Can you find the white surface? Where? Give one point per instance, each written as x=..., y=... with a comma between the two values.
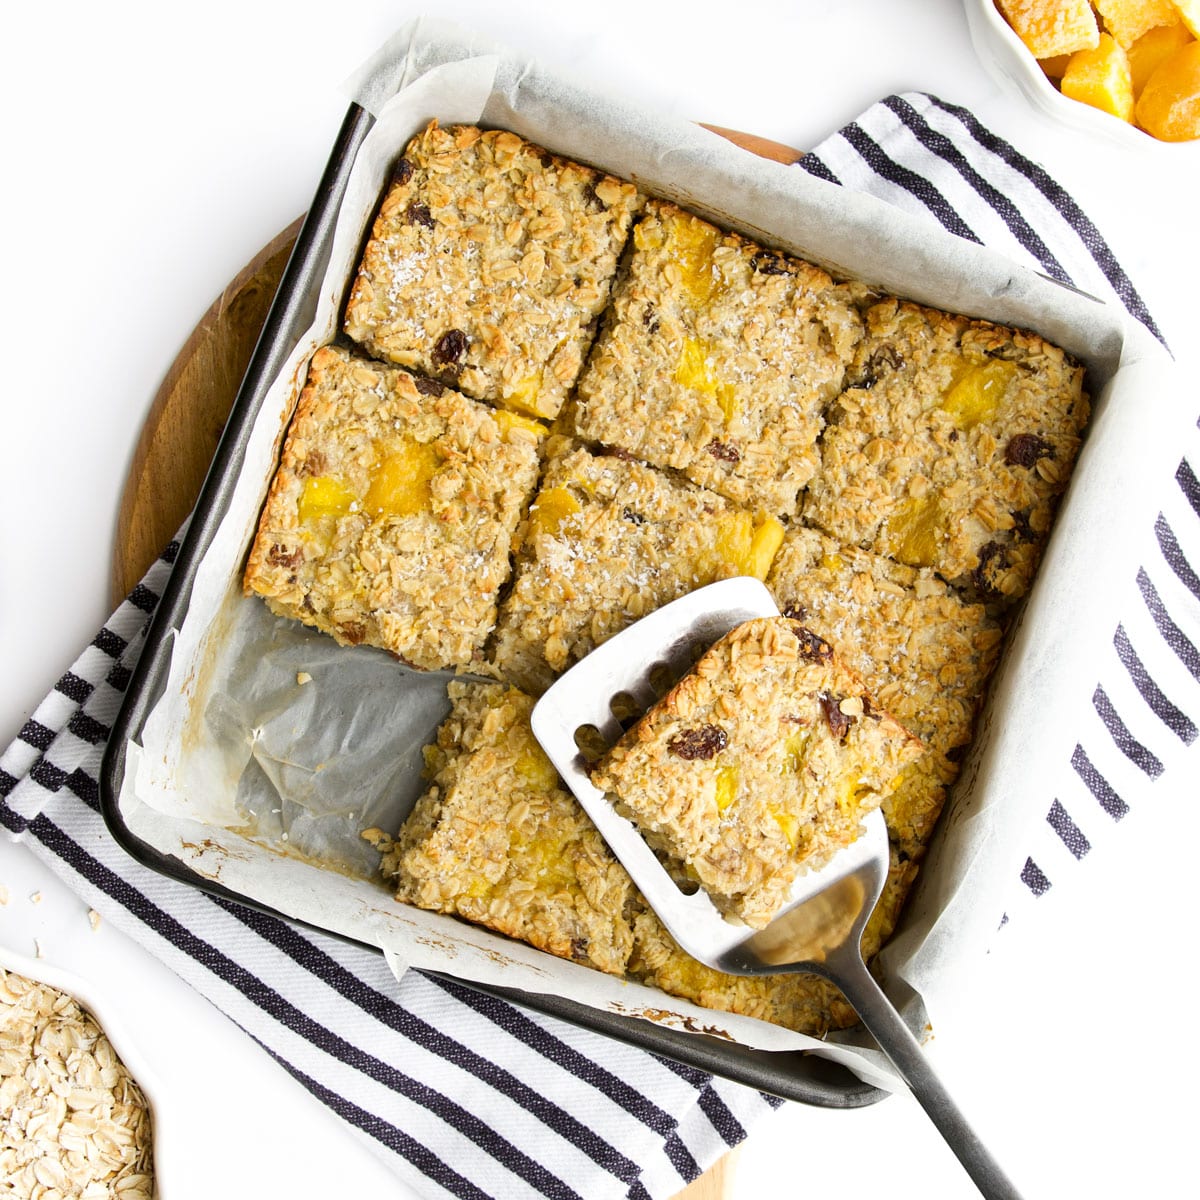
x=152, y=150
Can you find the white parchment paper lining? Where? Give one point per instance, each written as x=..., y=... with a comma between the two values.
x=263, y=783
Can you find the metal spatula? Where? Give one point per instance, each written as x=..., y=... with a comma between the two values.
x=819, y=929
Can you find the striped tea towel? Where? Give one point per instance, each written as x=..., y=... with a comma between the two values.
x=468, y=1096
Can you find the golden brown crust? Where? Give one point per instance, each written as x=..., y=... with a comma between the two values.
x=488, y=263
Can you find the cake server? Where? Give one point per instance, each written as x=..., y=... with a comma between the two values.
x=819, y=929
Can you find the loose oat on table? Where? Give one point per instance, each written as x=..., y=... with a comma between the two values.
x=75, y=1124
x=759, y=765
x=390, y=519
x=607, y=541
x=499, y=840
x=950, y=447
x=717, y=359
x=488, y=264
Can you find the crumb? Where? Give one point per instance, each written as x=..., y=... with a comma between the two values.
x=35, y=898
x=3, y=894
x=303, y=677
x=94, y=919
x=37, y=949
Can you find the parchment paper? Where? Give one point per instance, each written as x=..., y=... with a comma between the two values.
x=264, y=782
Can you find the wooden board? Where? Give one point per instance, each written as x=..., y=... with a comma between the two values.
x=185, y=423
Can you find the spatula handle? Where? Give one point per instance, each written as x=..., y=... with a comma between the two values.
x=887, y=1027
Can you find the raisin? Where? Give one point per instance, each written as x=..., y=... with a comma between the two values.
x=419, y=214
x=281, y=556
x=592, y=199
x=1026, y=448
x=1022, y=527
x=354, y=632
x=314, y=464
x=428, y=387
x=402, y=172
x=767, y=262
x=650, y=319
x=451, y=346
x=546, y=159
x=839, y=722
x=579, y=949
x=606, y=451
x=723, y=451
x=795, y=611
x=993, y=560
x=636, y=518
x=812, y=647
x=887, y=357
x=702, y=743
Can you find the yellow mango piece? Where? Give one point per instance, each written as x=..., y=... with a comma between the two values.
x=977, y=391
x=695, y=371
x=535, y=768
x=544, y=854
x=1151, y=50
x=1050, y=27
x=1189, y=13
x=551, y=508
x=748, y=545
x=789, y=823
x=1101, y=78
x=1169, y=106
x=727, y=785
x=692, y=243
x=508, y=421
x=400, y=480
x=913, y=532
x=1127, y=20
x=324, y=496
x=524, y=394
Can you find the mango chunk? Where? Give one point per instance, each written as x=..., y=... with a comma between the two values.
x=523, y=395
x=696, y=371
x=1101, y=78
x=551, y=509
x=1169, y=106
x=976, y=393
x=400, y=482
x=748, y=545
x=913, y=532
x=727, y=786
x=324, y=496
x=1050, y=27
x=508, y=421
x=692, y=244
x=1152, y=49
x=1127, y=20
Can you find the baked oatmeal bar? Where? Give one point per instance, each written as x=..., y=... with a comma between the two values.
x=487, y=265
x=924, y=652
x=716, y=360
x=950, y=447
x=607, y=541
x=760, y=764
x=390, y=518
x=498, y=840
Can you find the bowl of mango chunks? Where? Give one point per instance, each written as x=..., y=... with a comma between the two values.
x=1125, y=70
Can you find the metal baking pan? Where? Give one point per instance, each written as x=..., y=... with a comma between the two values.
x=792, y=1075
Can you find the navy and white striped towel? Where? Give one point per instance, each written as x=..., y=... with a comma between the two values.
x=467, y=1096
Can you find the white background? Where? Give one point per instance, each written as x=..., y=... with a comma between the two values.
x=151, y=150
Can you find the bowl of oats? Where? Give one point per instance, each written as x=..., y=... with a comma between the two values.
x=76, y=1093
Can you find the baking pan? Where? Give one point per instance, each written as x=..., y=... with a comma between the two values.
x=792, y=1075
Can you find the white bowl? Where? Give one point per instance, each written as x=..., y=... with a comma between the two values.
x=105, y=1010
x=1007, y=57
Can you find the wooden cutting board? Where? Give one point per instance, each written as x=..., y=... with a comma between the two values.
x=185, y=423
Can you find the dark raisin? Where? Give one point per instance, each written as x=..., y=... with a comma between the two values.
x=839, y=723
x=703, y=743
x=650, y=319
x=993, y=561
x=402, y=172
x=869, y=710
x=579, y=949
x=1026, y=448
x=636, y=518
x=428, y=387
x=419, y=214
x=281, y=556
x=592, y=199
x=1022, y=527
x=451, y=346
x=812, y=647
x=354, y=632
x=723, y=451
x=767, y=262
x=546, y=159
x=606, y=451
x=795, y=611
x=886, y=358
